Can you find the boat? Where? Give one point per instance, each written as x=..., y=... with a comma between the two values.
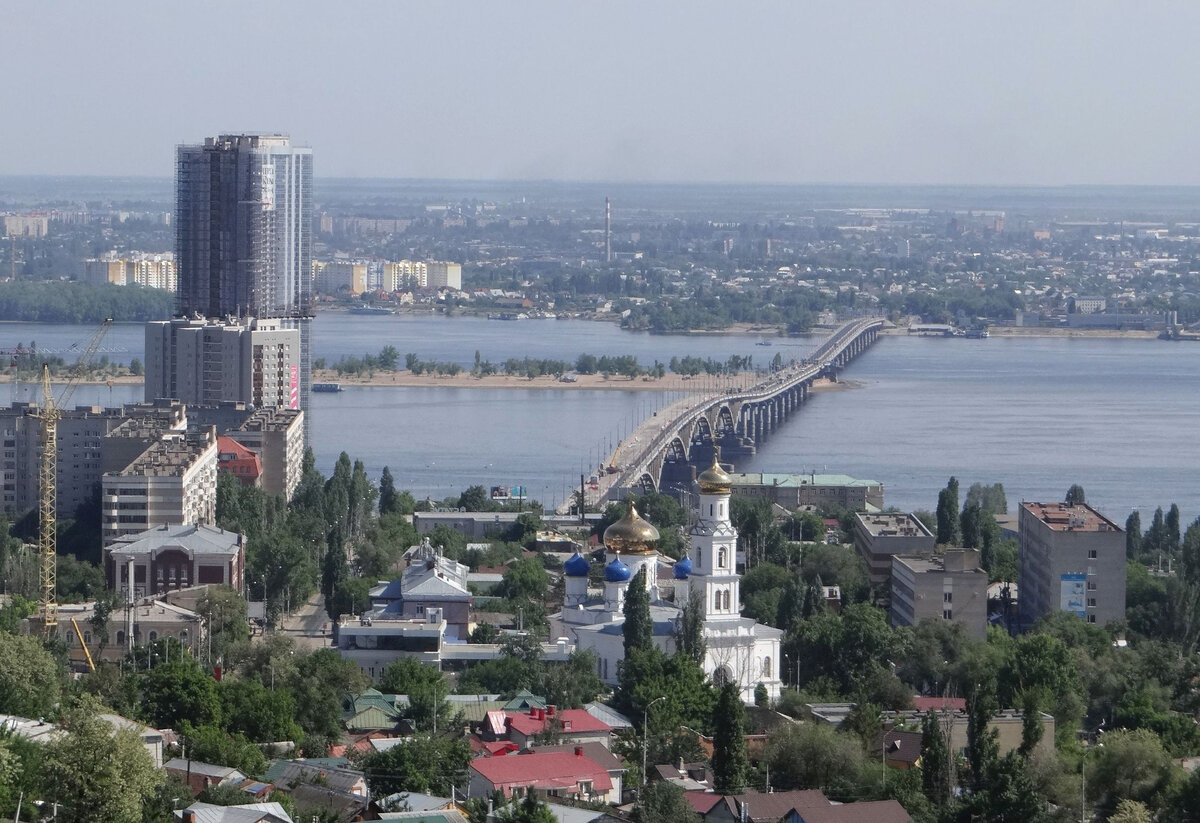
x=370, y=310
x=763, y=343
x=326, y=387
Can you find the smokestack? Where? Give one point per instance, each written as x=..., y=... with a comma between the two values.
x=607, y=231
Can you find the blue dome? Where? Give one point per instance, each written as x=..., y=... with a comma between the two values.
x=617, y=572
x=576, y=566
x=683, y=568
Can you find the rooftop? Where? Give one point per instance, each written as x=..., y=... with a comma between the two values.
x=811, y=479
x=1063, y=518
x=572, y=720
x=190, y=538
x=171, y=456
x=550, y=770
x=893, y=524
x=271, y=419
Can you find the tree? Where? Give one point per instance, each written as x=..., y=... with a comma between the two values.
x=527, y=810
x=96, y=772
x=1076, y=495
x=263, y=715
x=664, y=802
x=983, y=749
x=971, y=526
x=211, y=744
x=1133, y=765
x=30, y=679
x=1031, y=724
x=935, y=761
x=525, y=579
x=388, y=501
x=426, y=764
x=689, y=639
x=813, y=756
x=135, y=367
x=1133, y=535
x=729, y=760
x=1171, y=529
x=318, y=683
x=224, y=613
x=762, y=697
x=947, y=513
x=179, y=693
x=990, y=499
x=1130, y=811
x=425, y=686
x=474, y=499
x=638, y=628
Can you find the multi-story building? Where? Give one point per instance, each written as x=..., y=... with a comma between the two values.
x=143, y=621
x=104, y=270
x=255, y=361
x=239, y=462
x=168, y=558
x=277, y=436
x=1073, y=560
x=445, y=275
x=243, y=242
x=154, y=271
x=26, y=225
x=405, y=275
x=814, y=491
x=950, y=587
x=880, y=536
x=172, y=482
x=340, y=277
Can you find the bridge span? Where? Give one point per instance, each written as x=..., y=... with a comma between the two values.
x=736, y=421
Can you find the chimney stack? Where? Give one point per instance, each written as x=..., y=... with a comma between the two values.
x=607, y=231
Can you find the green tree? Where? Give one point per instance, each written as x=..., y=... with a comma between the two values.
x=212, y=744
x=814, y=756
x=1031, y=724
x=1171, y=529
x=1133, y=765
x=96, y=772
x=1076, y=495
x=263, y=715
x=425, y=764
x=947, y=514
x=1008, y=796
x=983, y=748
x=30, y=677
x=990, y=499
x=971, y=526
x=936, y=777
x=527, y=810
x=475, y=499
x=638, y=628
x=317, y=683
x=1130, y=811
x=224, y=613
x=664, y=802
x=524, y=580
x=425, y=686
x=180, y=693
x=388, y=502
x=1133, y=535
x=729, y=760
x=690, y=629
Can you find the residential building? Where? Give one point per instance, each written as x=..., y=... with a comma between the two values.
x=242, y=813
x=1072, y=559
x=572, y=775
x=143, y=621
x=322, y=786
x=950, y=586
x=524, y=728
x=475, y=525
x=26, y=225
x=405, y=275
x=104, y=271
x=373, y=642
x=811, y=491
x=172, y=482
x=155, y=271
x=340, y=277
x=277, y=436
x=238, y=462
x=879, y=536
x=801, y=806
x=175, y=557
x=444, y=275
x=243, y=242
x=255, y=361
x=199, y=776
x=432, y=583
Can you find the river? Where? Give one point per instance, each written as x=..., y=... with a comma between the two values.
x=1116, y=416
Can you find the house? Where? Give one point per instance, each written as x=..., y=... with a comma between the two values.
x=247, y=813
x=431, y=583
x=807, y=806
x=567, y=726
x=320, y=785
x=372, y=711
x=199, y=776
x=435, y=816
x=569, y=774
x=596, y=752
x=900, y=750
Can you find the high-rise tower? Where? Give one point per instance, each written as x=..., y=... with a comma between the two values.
x=243, y=243
x=607, y=231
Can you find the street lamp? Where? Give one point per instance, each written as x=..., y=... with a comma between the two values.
x=646, y=734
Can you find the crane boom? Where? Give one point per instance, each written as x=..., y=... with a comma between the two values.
x=48, y=479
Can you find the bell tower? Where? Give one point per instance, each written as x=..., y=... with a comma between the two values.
x=714, y=548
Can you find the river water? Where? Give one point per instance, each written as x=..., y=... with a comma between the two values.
x=1116, y=416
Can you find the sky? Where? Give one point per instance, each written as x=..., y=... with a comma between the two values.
x=1049, y=92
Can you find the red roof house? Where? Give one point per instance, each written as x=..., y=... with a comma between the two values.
x=567, y=726
x=234, y=458
x=561, y=774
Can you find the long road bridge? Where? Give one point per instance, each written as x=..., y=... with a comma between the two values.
x=736, y=421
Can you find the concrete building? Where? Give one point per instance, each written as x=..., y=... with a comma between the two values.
x=198, y=361
x=277, y=437
x=104, y=270
x=155, y=271
x=340, y=277
x=373, y=642
x=950, y=587
x=169, y=558
x=445, y=275
x=475, y=525
x=243, y=234
x=405, y=275
x=26, y=225
x=815, y=491
x=143, y=621
x=239, y=462
x=432, y=584
x=878, y=537
x=1072, y=558
x=173, y=482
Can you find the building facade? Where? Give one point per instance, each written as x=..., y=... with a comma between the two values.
x=950, y=587
x=878, y=537
x=243, y=242
x=1072, y=558
x=169, y=558
x=814, y=491
x=444, y=275
x=277, y=436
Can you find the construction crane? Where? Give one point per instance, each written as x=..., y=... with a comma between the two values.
x=83, y=645
x=48, y=478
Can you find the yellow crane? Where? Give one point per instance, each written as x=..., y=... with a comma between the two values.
x=83, y=645
x=51, y=412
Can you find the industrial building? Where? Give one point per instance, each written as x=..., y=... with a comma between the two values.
x=1072, y=559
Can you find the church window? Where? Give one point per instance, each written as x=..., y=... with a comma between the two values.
x=710, y=509
x=766, y=666
x=699, y=558
x=721, y=558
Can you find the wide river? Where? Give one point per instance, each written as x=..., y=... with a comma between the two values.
x=1117, y=416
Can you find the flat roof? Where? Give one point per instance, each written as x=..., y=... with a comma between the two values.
x=893, y=524
x=1063, y=518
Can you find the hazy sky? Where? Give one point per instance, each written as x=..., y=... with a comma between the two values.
x=1042, y=92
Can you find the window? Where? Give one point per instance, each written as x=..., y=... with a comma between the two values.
x=721, y=558
x=159, y=574
x=766, y=667
x=1091, y=602
x=947, y=614
x=1091, y=554
x=153, y=636
x=120, y=638
x=947, y=597
x=710, y=509
x=1091, y=585
x=1091, y=618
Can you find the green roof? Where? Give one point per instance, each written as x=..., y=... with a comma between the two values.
x=770, y=479
x=524, y=701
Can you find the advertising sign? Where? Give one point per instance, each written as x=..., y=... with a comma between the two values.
x=1074, y=590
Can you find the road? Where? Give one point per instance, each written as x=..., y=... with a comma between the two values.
x=309, y=625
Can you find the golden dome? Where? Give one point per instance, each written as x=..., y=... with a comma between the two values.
x=631, y=534
x=714, y=479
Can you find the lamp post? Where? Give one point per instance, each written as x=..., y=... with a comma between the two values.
x=646, y=734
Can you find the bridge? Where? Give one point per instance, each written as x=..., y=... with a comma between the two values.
x=736, y=421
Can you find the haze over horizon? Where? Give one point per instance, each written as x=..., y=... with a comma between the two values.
x=928, y=93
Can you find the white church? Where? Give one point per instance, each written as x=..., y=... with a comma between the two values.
x=739, y=650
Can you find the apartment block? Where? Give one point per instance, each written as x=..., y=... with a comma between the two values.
x=256, y=361
x=950, y=587
x=1072, y=559
x=445, y=275
x=277, y=436
x=405, y=275
x=340, y=277
x=878, y=537
x=172, y=482
x=816, y=491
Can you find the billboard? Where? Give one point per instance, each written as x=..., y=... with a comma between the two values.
x=1073, y=594
x=294, y=387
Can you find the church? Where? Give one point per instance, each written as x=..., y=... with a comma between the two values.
x=738, y=650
